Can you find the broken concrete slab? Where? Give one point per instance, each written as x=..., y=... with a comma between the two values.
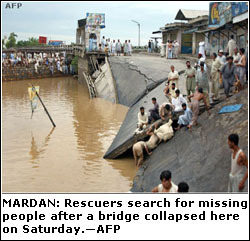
x=202, y=157
x=136, y=75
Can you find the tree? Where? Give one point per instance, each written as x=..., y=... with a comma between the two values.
x=3, y=43
x=28, y=43
x=11, y=42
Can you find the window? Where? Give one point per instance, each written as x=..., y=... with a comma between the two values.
x=242, y=42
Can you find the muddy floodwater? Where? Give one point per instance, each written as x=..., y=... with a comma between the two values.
x=68, y=158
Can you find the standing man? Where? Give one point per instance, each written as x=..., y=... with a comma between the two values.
x=173, y=77
x=166, y=183
x=118, y=48
x=202, y=82
x=103, y=43
x=202, y=49
x=215, y=76
x=195, y=106
x=241, y=67
x=222, y=57
x=190, y=78
x=162, y=49
x=239, y=163
x=176, y=47
x=129, y=48
x=231, y=46
x=170, y=49
x=236, y=56
x=125, y=47
x=229, y=75
x=113, y=48
x=142, y=119
x=149, y=46
x=154, y=112
x=152, y=46
x=185, y=120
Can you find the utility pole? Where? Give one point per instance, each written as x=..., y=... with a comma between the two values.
x=138, y=31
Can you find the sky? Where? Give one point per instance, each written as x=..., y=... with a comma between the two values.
x=58, y=20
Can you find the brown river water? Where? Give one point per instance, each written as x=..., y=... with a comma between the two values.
x=68, y=158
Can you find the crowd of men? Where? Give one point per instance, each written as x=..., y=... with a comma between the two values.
x=153, y=46
x=227, y=71
x=50, y=60
x=113, y=48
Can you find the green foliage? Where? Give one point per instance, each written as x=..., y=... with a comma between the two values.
x=75, y=63
x=11, y=42
x=3, y=44
x=28, y=43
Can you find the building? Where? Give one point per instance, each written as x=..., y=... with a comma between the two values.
x=226, y=19
x=89, y=31
x=197, y=21
x=188, y=32
x=86, y=35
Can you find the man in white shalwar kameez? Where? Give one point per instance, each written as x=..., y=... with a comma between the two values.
x=103, y=43
x=163, y=46
x=175, y=49
x=113, y=48
x=178, y=101
x=129, y=48
x=202, y=49
x=186, y=118
x=231, y=46
x=142, y=119
x=165, y=132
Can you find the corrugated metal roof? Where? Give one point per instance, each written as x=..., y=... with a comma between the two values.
x=187, y=14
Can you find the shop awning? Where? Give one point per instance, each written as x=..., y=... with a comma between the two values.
x=155, y=32
x=190, y=30
x=170, y=29
x=240, y=18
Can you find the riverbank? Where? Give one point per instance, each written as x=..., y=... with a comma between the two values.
x=22, y=73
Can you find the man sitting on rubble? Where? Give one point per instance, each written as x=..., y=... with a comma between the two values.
x=185, y=120
x=178, y=101
x=166, y=112
x=154, y=112
x=142, y=119
x=170, y=91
